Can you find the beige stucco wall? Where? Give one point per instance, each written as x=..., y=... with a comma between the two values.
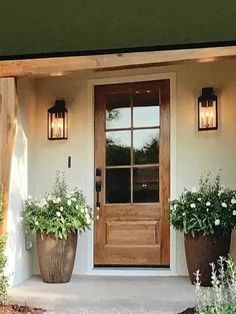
x=192, y=152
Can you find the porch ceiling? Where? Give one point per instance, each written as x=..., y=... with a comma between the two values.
x=66, y=65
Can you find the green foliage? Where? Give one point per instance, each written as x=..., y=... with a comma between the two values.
x=221, y=298
x=3, y=260
x=229, y=308
x=61, y=212
x=148, y=153
x=209, y=210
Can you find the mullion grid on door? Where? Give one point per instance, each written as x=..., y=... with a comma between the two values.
x=132, y=163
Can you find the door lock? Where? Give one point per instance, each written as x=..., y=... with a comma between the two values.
x=98, y=188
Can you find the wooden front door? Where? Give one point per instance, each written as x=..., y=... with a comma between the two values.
x=132, y=159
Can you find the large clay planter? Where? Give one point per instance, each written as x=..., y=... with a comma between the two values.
x=203, y=250
x=56, y=257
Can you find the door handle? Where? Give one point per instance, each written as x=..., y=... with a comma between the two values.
x=98, y=188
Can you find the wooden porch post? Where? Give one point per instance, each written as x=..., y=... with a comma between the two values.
x=8, y=108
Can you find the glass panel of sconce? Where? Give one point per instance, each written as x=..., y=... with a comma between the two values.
x=207, y=110
x=58, y=121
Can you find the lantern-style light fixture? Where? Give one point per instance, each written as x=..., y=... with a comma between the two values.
x=58, y=121
x=207, y=110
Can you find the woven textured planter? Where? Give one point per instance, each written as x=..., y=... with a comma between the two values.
x=203, y=250
x=56, y=257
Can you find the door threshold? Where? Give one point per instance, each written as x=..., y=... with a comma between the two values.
x=115, y=266
x=132, y=271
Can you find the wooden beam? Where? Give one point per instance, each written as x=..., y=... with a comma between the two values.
x=65, y=65
x=8, y=108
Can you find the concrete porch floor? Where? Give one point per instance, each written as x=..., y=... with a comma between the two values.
x=90, y=294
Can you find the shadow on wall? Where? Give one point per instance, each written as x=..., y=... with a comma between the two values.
x=233, y=245
x=19, y=265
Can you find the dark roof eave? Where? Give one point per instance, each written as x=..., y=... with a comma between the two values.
x=117, y=50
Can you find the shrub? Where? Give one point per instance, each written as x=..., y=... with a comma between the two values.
x=208, y=210
x=60, y=212
x=221, y=298
x=3, y=260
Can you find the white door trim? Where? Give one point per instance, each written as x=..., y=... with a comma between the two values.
x=137, y=271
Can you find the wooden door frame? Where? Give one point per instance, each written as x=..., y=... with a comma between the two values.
x=129, y=79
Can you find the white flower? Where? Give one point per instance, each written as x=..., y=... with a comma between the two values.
x=44, y=202
x=207, y=209
x=36, y=223
x=199, y=199
x=224, y=204
x=54, y=201
x=88, y=218
x=219, y=193
x=192, y=205
x=77, y=206
x=208, y=203
x=61, y=208
x=58, y=214
x=217, y=222
x=233, y=201
x=73, y=199
x=234, y=212
x=174, y=207
x=83, y=211
x=58, y=200
x=69, y=202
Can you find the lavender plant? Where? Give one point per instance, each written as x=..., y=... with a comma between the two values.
x=221, y=298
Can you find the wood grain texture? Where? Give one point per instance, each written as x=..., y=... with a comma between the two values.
x=165, y=171
x=113, y=62
x=8, y=114
x=144, y=233
x=133, y=233
x=56, y=257
x=203, y=250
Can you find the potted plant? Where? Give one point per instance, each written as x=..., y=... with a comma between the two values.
x=206, y=216
x=56, y=219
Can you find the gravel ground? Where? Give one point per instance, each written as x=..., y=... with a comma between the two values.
x=15, y=309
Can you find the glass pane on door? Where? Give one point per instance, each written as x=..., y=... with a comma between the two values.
x=118, y=185
x=118, y=148
x=118, y=111
x=146, y=185
x=146, y=146
x=146, y=110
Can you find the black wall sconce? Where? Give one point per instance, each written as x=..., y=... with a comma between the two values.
x=207, y=110
x=58, y=121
